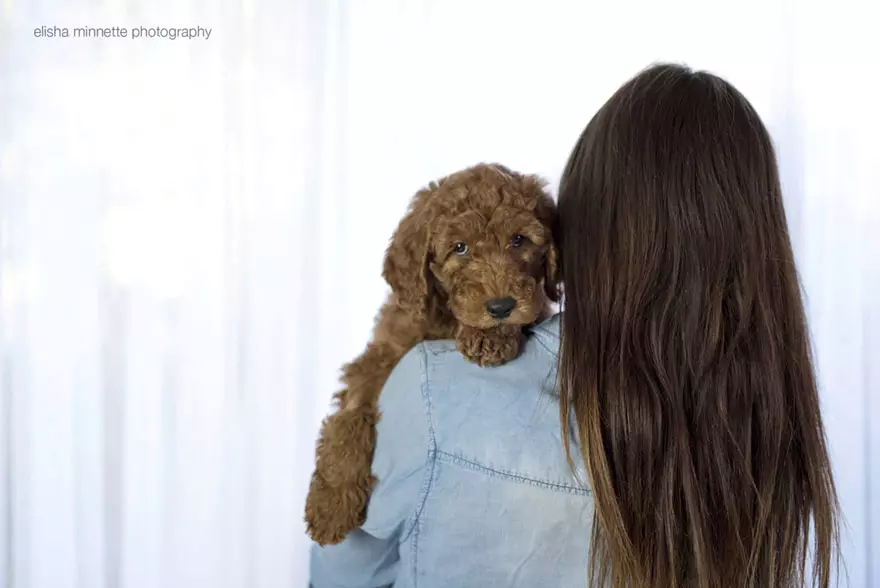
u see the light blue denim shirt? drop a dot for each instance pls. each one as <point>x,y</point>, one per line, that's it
<point>473,486</point>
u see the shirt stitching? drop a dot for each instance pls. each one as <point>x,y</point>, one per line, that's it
<point>430,463</point>
<point>540,341</point>
<point>441,350</point>
<point>512,476</point>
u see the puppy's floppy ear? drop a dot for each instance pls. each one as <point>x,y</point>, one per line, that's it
<point>408,255</point>
<point>545,211</point>
<point>552,278</point>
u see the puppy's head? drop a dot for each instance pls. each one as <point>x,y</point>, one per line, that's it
<point>480,243</point>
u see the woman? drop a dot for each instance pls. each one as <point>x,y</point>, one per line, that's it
<point>690,439</point>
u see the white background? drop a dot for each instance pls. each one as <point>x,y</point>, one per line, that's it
<point>192,232</point>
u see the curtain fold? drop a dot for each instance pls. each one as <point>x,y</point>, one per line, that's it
<point>191,237</point>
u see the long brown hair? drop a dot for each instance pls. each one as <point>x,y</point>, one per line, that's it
<point>685,359</point>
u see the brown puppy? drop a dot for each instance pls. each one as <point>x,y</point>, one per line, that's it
<point>473,260</point>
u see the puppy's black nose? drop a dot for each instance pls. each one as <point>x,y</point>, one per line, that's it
<point>500,307</point>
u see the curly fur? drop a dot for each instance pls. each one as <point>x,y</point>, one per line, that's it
<point>438,293</point>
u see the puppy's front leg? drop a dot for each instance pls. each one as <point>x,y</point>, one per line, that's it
<point>342,481</point>
<point>487,347</point>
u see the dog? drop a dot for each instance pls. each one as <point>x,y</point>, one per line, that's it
<point>473,260</point>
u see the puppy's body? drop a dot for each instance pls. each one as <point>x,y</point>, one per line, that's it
<point>473,260</point>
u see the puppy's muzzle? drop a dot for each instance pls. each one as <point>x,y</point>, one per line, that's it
<point>500,308</point>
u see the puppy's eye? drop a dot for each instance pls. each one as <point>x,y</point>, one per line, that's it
<point>517,240</point>
<point>460,248</point>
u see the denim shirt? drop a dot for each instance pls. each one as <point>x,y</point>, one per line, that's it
<point>473,485</point>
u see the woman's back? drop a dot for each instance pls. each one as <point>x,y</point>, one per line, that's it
<point>684,372</point>
<point>472,463</point>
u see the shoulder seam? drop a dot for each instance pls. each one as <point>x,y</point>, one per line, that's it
<point>426,396</point>
<point>438,350</point>
<point>512,476</point>
<point>430,458</point>
<point>540,340</point>
<point>542,332</point>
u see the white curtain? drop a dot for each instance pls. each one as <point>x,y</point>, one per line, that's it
<point>191,234</point>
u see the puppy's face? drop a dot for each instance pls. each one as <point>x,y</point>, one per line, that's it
<point>491,262</point>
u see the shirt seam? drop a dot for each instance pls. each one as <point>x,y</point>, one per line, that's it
<point>436,350</point>
<point>540,340</point>
<point>511,476</point>
<point>543,332</point>
<point>430,462</point>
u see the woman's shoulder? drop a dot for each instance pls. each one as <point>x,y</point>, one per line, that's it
<point>454,389</point>
<point>503,420</point>
<point>543,338</point>
<point>449,383</point>
<point>446,371</point>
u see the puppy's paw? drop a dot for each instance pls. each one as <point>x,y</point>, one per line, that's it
<point>332,512</point>
<point>487,347</point>
<point>341,484</point>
